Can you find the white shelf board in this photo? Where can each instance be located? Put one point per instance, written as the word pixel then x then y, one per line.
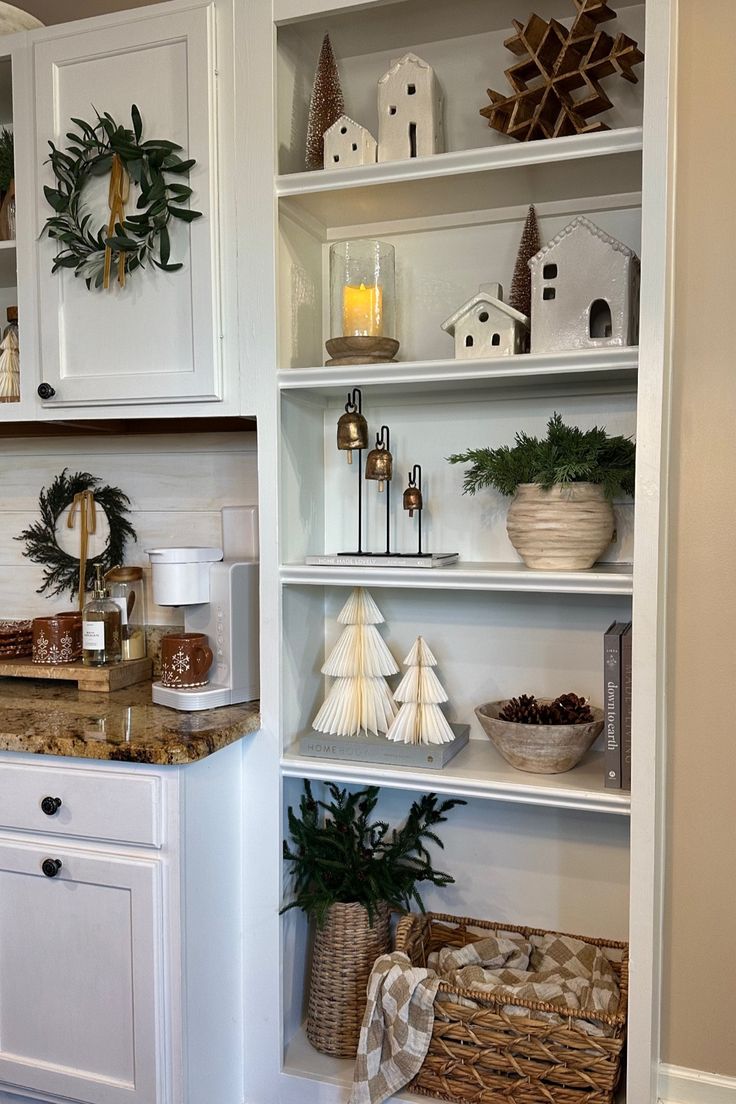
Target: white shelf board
pixel 477 771
pixel 302 1063
pixel 591 368
pixel 603 579
pixel 581 165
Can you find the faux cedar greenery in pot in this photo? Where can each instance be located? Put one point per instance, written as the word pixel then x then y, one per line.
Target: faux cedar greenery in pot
pixel 349 871
pixel 561 517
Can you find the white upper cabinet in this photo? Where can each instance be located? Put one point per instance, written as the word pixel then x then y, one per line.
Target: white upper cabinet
pixel 161 339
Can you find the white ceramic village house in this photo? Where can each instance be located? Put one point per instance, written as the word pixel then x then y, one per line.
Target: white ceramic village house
pixel 485 326
pixel 585 291
pixel 409 111
pixel 348 144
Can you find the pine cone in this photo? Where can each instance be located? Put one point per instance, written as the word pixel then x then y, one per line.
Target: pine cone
pixel 565 710
pixel 521 710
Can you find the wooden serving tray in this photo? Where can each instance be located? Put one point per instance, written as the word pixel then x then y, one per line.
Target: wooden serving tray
pixel 102 680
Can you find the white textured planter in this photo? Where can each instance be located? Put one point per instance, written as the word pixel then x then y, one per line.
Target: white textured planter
pixel 560 529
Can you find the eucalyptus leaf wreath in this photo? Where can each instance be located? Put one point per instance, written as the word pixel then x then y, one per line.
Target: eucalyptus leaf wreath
pixel 61 571
pixel 136 238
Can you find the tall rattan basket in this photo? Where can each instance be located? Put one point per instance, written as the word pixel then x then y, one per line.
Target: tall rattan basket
pixel 344 951
pixel 482 1055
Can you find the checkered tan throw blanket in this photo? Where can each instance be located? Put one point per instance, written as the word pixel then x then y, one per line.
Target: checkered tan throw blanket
pixel 554 969
pixel 397 1027
pixel 396 1030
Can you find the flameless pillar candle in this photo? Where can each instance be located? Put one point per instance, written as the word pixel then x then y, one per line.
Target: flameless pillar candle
pixel 362 311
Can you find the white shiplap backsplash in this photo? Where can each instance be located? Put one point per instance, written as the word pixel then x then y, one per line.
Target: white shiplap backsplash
pixel 177 485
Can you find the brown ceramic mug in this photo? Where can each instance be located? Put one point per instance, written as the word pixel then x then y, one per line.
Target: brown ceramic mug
pixel 57 638
pixel 185 660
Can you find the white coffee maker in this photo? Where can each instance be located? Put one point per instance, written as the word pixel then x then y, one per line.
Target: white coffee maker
pixel 220 599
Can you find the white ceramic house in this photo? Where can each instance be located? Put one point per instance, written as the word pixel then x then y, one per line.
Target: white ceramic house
pixel 409 111
pixel 485 326
pixel 585 291
pixel 348 144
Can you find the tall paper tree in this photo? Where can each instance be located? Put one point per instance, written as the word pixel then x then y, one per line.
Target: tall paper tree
pixel 520 297
pixel 360 699
pixel 420 719
pixel 325 106
pixel 9 368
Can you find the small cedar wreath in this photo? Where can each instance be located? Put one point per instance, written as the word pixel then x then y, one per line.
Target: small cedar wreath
pixel 128 242
pixel 61 571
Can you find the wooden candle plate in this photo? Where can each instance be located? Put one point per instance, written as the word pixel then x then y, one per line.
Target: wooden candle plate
pixel 101 680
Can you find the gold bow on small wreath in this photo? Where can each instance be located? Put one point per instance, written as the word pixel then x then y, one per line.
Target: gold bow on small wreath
pixel 83 503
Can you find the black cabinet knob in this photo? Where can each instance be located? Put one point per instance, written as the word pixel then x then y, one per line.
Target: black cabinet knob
pixel 51 867
pixel 45 391
pixel 51 805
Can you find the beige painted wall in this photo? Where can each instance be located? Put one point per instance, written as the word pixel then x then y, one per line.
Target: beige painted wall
pixel 700 974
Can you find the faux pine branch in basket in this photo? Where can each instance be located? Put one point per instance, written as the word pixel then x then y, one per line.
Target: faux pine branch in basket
pixel 566 455
pixel 340 855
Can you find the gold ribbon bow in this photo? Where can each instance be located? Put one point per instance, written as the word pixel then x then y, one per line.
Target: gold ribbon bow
pixel 84 503
pixel 117 197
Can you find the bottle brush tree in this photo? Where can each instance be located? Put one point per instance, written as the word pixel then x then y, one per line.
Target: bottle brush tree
pixel 326 105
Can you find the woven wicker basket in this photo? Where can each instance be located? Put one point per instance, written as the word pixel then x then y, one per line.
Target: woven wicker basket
pixel 343 955
pixel 483 1056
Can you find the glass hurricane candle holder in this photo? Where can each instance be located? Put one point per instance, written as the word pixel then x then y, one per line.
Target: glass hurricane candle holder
pixel 362 303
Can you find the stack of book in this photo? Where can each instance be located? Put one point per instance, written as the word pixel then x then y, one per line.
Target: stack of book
pixel 617 705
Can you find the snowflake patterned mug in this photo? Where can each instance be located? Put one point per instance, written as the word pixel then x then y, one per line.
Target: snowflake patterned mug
pixel 185 659
pixel 58 638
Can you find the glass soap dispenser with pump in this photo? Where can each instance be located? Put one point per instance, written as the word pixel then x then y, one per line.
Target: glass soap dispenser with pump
pixel 101 635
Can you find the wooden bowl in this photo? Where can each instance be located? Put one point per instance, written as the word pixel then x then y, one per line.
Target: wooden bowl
pixel 539 749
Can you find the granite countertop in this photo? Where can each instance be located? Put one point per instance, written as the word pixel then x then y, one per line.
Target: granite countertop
pixel 46 718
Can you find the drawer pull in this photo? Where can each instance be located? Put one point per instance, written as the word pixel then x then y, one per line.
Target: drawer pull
pixel 51 867
pixel 51 805
pixel 45 391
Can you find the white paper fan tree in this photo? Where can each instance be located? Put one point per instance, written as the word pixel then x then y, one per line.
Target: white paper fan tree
pixel 9 368
pixel 420 719
pixel 360 700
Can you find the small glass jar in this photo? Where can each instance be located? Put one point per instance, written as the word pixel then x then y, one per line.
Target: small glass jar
pixel 127 591
pixel 362 289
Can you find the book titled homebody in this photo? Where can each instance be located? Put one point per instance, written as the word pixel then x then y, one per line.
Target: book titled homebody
pixel 612 703
pixel 434 559
pixel 377 749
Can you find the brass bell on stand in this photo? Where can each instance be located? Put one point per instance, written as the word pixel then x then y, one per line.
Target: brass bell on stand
pixel 379 466
pixel 352 428
pixel 413 501
pixel 352 436
pixel 379 463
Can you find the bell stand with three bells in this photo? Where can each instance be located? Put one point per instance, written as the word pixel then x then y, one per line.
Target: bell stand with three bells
pixel 352 436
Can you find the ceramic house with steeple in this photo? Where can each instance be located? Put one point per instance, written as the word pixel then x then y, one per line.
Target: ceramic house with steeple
pixel 409 111
pixel 348 144
pixel 585 291
pixel 485 326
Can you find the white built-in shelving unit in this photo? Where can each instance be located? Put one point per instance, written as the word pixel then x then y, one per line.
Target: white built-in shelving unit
pixel 563 851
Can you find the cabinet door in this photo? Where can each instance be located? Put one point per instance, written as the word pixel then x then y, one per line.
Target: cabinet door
pixel 157 339
pixel 79 970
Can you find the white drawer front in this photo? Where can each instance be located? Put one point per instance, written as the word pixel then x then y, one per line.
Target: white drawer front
pixel 93 803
